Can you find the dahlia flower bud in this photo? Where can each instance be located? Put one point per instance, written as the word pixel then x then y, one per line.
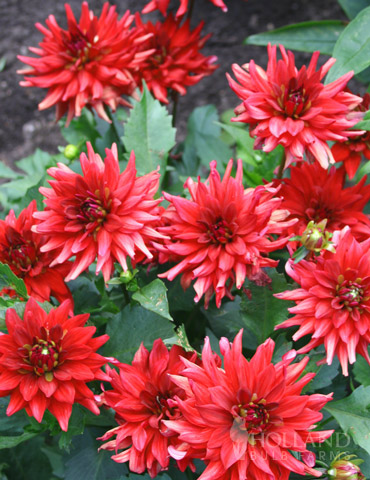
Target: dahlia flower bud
pixel 127 276
pixel 71 151
pixel 315 238
pixel 346 468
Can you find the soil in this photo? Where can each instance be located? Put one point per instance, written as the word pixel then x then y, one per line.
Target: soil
pixel 23 128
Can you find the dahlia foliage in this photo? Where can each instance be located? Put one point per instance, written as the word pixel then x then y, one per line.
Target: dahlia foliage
pixel 190 307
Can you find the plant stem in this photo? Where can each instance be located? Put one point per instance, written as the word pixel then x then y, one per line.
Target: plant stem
pixel 190 11
pixel 126 295
pixel 175 99
pixel 281 168
pixel 113 128
pixel 329 419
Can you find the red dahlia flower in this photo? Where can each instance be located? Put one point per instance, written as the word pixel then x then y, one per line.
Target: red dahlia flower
pixel 350 152
pixel 46 360
pixel 176 62
pixel 20 248
pixel 222 234
pixel 333 301
pixel 86 65
pixel 143 396
pixel 162 6
pixel 291 107
pixel 315 194
pixel 244 419
pixel 101 214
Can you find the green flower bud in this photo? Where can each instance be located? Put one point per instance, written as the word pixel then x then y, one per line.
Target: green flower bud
pixel 315 238
pixel 127 276
pixel 71 152
pixel 345 468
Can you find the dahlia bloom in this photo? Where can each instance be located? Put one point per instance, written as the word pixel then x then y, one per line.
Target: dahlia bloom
pixel 101 214
pixel 176 62
pixel 315 194
pixel 222 234
pixel 291 107
pixel 245 418
pixel 162 6
pixel 143 396
pixel 20 248
pixel 351 151
pixel 333 301
pixel 46 360
pixel 86 65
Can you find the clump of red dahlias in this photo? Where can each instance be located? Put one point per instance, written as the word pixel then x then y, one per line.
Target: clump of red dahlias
pixel 143 396
pixel 162 6
pixel 315 194
pixel 176 61
pixel 290 107
pixel 244 419
pixel 350 152
pixel 86 65
pixel 101 214
pixel 46 360
pixel 333 301
pixel 223 233
pixel 20 248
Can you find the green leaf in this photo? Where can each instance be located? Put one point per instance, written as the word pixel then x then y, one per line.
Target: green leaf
pixel 86 295
pixel 153 297
pixel 352 48
pixel 305 36
pixel 36 163
pixel 8 279
pixel 13 441
pixel 150 134
pixel 353 7
pixel 182 339
pixel 2 63
pixel 10 303
pixel 81 129
pixel 85 462
pixel 14 192
pixel 203 139
pixel 352 414
pixel 324 373
pixel 13 424
pixel 7 172
pixel 226 321
pixel 133 325
pixel 258 166
pixel 263 311
pixel 27 461
pixel 76 426
pixel 365 122
pixel 32 193
pixel 361 371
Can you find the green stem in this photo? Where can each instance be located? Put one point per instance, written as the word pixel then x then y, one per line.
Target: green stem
pixel 175 99
pixel 329 419
pixel 189 474
pixel 321 464
pixel 190 11
pixel 126 295
pixel 113 128
pixel 281 168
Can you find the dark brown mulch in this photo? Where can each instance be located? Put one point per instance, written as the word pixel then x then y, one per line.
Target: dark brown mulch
pixel 23 127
